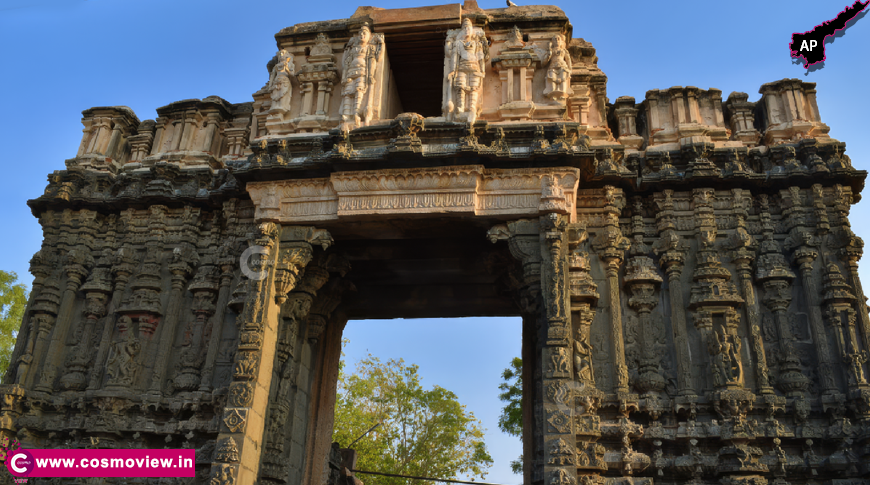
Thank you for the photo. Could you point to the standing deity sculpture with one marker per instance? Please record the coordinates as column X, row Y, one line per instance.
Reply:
column 727, row 366
column 279, row 86
column 583, row 358
column 121, row 366
column 362, row 55
column 558, row 71
column 466, row 52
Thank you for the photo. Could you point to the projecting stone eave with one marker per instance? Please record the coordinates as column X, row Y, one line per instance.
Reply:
column 221, row 104
column 449, row 15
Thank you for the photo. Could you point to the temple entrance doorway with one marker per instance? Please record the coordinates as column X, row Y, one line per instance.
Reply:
column 465, row 356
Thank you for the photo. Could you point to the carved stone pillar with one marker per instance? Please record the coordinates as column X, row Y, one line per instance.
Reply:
column 804, row 257
column 41, row 266
column 77, row 266
column 672, row 258
column 322, row 72
column 839, row 301
column 524, row 241
column 743, row 255
column 124, row 264
column 204, row 288
column 642, row 280
column 227, row 263
column 850, row 255
column 803, row 243
column 714, row 299
column 97, row 290
column 290, row 349
column 243, row 419
column 555, row 345
column 611, row 246
column 181, row 267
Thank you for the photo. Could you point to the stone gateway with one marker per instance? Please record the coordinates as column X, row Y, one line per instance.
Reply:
column 684, row 266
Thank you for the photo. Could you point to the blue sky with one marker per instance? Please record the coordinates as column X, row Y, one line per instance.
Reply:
column 61, row 57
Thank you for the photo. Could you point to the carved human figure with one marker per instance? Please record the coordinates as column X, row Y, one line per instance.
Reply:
column 736, row 365
column 466, row 55
column 856, row 362
column 360, row 61
column 728, row 367
column 583, row 358
column 558, row 71
column 121, row 367
column 281, row 90
column 720, row 366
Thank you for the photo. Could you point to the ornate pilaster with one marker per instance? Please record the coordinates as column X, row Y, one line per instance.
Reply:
column 611, row 246
column 839, row 303
column 524, row 241
column 775, row 277
column 714, row 299
column 181, row 267
column 743, row 255
column 672, row 258
column 642, row 280
column 777, row 298
column 204, row 288
column 852, row 249
column 97, row 290
column 243, row 417
column 803, row 243
column 41, row 266
column 77, row 265
column 555, row 346
column 291, row 351
column 123, row 265
column 227, row 263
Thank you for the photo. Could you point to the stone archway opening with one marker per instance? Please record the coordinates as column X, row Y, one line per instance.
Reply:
column 465, row 356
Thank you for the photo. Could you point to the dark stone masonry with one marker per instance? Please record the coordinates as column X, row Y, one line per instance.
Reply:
column 683, row 265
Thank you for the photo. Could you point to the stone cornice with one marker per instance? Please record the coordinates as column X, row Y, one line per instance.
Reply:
column 461, row 190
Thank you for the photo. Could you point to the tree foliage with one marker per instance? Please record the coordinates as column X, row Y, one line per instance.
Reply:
column 13, row 300
column 511, row 419
column 422, row 432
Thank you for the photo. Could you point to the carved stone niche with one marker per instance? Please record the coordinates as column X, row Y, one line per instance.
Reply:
column 740, row 113
column 788, row 112
column 105, row 143
column 317, row 80
column 189, row 133
column 237, row 133
column 626, row 116
column 516, row 65
column 685, row 115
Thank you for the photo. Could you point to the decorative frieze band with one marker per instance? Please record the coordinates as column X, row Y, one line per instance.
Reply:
column 470, row 189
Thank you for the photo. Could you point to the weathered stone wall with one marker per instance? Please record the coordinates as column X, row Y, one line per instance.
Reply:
column 684, row 266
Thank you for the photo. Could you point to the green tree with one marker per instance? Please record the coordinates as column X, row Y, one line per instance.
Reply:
column 511, row 419
column 13, row 300
column 425, row 433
